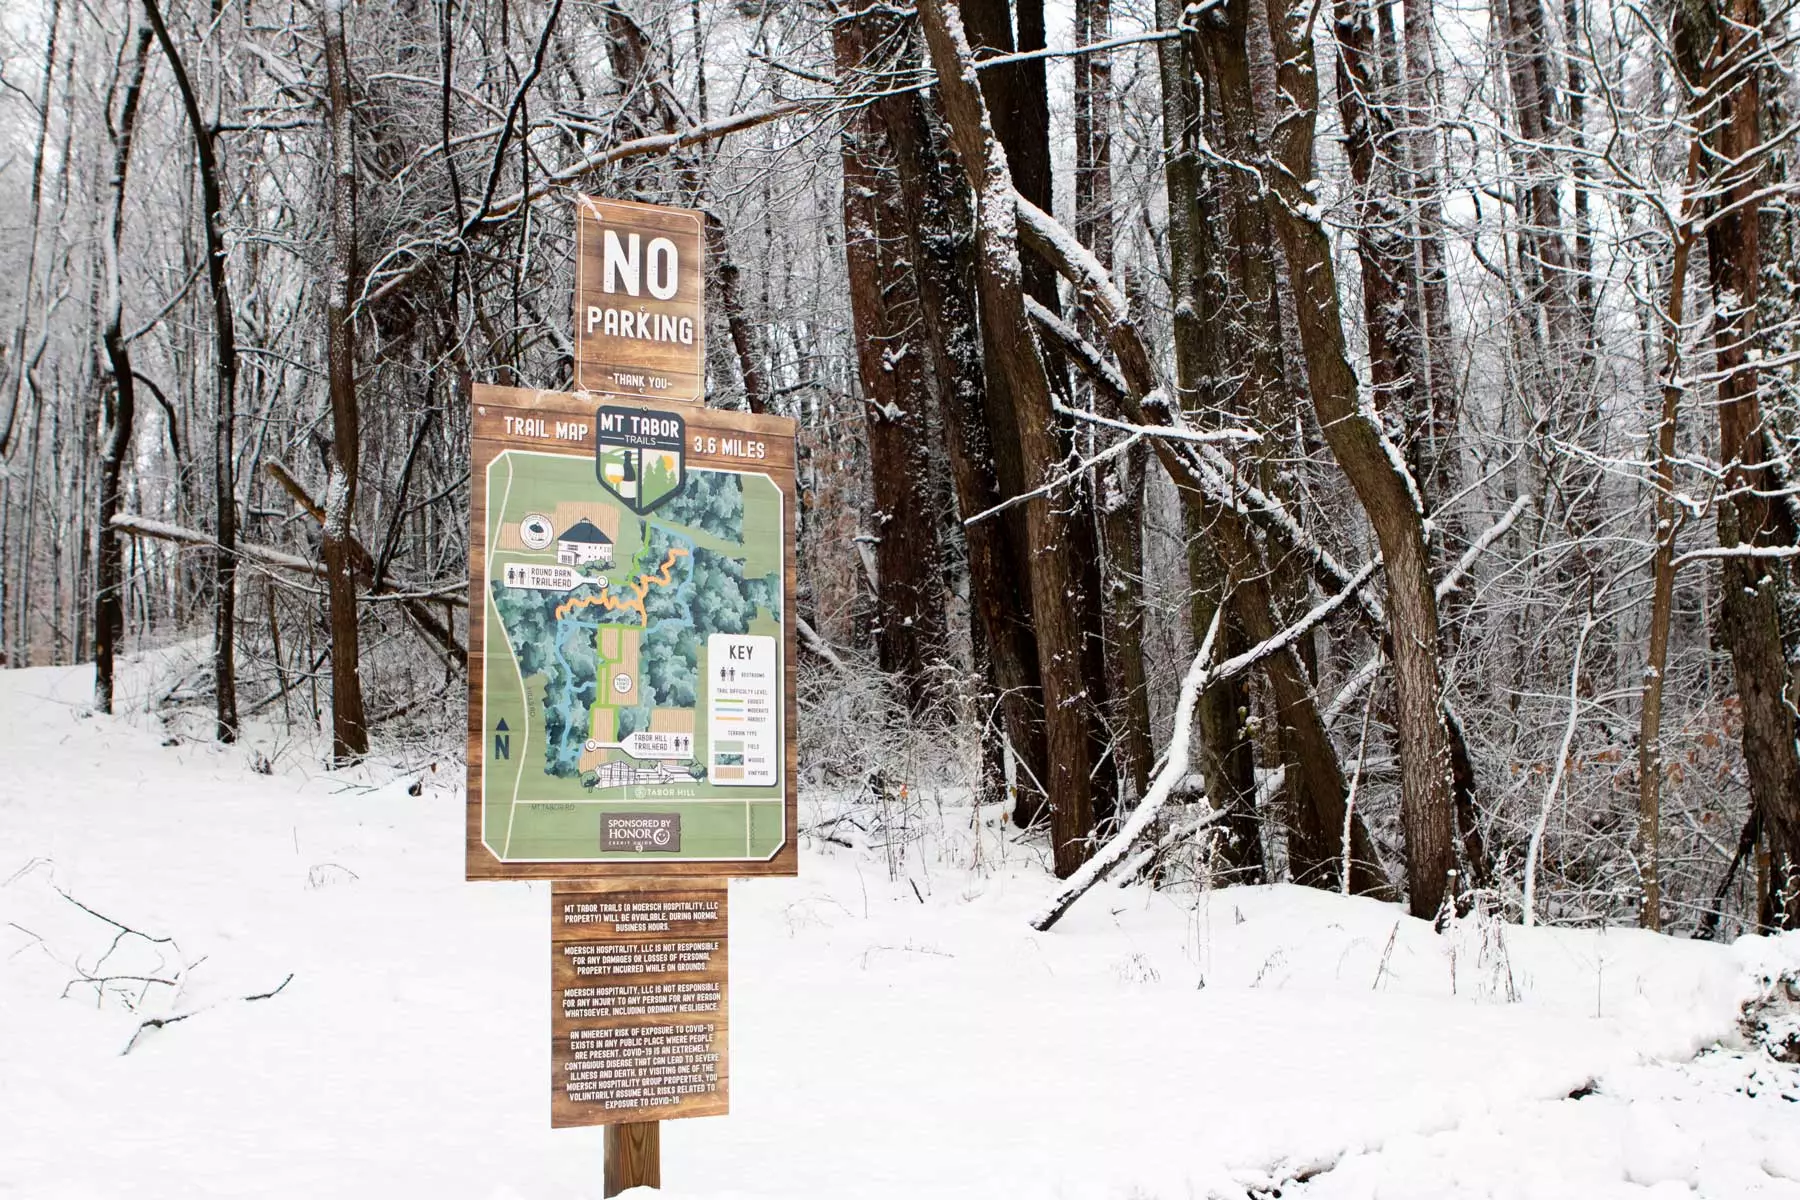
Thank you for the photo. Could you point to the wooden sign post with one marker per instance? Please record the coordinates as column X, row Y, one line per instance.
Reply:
column 632, row 701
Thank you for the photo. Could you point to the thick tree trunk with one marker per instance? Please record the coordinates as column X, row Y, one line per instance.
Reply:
column 1372, row 465
column 1382, row 247
column 1018, row 105
column 349, row 722
column 1058, row 603
column 121, row 408
column 1751, row 590
column 1118, row 489
column 937, row 202
column 892, row 366
column 1219, row 45
column 1435, row 448
column 1227, row 757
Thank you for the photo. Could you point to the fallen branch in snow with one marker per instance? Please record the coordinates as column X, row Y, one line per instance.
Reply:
column 1175, row 758
column 160, row 1022
column 809, row 637
column 1174, row 769
column 1145, row 859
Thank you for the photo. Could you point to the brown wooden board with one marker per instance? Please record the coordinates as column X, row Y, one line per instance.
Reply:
column 640, row 320
column 616, row 727
column 638, row 1001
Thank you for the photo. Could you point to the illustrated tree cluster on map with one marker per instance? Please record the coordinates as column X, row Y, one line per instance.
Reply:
column 672, row 595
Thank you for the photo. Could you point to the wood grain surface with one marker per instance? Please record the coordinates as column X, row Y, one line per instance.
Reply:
column 601, row 360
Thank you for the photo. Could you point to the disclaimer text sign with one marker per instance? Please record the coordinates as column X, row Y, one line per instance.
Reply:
column 638, row 1014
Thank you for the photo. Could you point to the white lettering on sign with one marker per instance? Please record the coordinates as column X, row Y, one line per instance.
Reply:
column 733, row 446
column 545, row 578
column 620, row 263
column 665, row 268
column 639, row 325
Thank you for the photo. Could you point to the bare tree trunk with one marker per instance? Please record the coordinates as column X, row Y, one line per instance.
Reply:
column 884, row 305
column 1058, row 605
column 225, row 367
column 22, row 331
column 349, row 723
column 1227, row 757
column 1527, row 55
column 1436, row 444
column 109, row 612
column 937, row 203
column 1667, row 521
column 1382, row 248
column 1727, row 105
column 1374, row 468
column 1118, row 488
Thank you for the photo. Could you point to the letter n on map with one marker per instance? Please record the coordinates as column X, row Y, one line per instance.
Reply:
column 640, row 321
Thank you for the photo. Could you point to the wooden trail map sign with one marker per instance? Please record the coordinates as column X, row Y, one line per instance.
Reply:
column 640, row 316
column 631, row 667
column 638, row 1001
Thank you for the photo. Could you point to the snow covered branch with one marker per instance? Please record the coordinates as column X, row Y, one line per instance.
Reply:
column 1175, row 757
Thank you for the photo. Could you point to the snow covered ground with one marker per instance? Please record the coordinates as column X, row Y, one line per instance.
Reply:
column 896, row 1030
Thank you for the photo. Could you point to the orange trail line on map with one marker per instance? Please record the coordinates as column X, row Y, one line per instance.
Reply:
column 641, row 588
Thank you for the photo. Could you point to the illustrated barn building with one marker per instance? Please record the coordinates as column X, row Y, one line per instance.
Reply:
column 583, row 543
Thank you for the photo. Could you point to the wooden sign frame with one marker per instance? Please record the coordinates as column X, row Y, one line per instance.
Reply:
column 546, row 426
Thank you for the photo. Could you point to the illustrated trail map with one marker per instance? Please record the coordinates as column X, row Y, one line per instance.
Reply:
column 633, row 660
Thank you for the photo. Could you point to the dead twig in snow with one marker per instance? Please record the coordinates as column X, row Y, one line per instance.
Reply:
column 161, row 1022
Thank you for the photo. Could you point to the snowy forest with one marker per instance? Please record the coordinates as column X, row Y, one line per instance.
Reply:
column 1351, row 444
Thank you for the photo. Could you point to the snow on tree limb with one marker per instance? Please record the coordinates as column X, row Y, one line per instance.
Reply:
column 1175, row 758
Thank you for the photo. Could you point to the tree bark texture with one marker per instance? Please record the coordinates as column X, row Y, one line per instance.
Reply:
column 938, row 204
column 121, row 406
column 1058, row 605
column 1373, row 467
column 1751, row 590
column 896, row 406
column 349, row 721
column 225, row 375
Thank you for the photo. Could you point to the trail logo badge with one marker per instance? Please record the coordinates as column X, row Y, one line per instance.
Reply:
column 639, row 455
